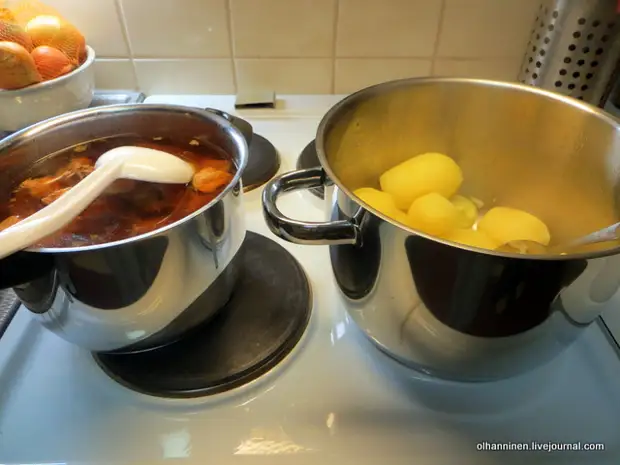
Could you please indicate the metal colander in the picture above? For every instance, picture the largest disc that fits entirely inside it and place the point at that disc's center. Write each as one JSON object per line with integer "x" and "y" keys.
{"x": 574, "y": 48}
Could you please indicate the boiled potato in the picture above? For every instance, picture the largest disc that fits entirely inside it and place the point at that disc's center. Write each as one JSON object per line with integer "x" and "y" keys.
{"x": 401, "y": 217}
{"x": 378, "y": 200}
{"x": 433, "y": 214}
{"x": 383, "y": 202}
{"x": 467, "y": 209}
{"x": 420, "y": 175}
{"x": 504, "y": 224}
{"x": 472, "y": 238}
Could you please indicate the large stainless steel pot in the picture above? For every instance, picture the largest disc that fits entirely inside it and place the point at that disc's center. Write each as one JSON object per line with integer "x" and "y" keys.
{"x": 451, "y": 310}
{"x": 142, "y": 292}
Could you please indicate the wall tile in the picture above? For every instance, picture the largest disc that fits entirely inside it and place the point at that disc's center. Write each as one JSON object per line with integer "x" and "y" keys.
{"x": 387, "y": 28}
{"x": 289, "y": 45}
{"x": 486, "y": 28}
{"x": 198, "y": 76}
{"x": 98, "y": 20}
{"x": 115, "y": 74}
{"x": 502, "y": 69}
{"x": 353, "y": 74}
{"x": 177, "y": 28}
{"x": 286, "y": 76}
{"x": 283, "y": 28}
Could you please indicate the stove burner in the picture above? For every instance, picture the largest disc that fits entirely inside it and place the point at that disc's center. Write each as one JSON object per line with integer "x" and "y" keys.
{"x": 263, "y": 163}
{"x": 310, "y": 159}
{"x": 258, "y": 327}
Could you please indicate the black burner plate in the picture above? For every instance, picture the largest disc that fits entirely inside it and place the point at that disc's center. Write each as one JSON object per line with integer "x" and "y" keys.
{"x": 258, "y": 327}
{"x": 263, "y": 163}
{"x": 310, "y": 159}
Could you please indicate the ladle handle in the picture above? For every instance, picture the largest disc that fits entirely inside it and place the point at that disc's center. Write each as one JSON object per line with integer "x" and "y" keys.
{"x": 610, "y": 233}
{"x": 60, "y": 213}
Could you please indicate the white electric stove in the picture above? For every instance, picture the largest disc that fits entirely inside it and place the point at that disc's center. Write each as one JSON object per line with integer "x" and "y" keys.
{"x": 335, "y": 399}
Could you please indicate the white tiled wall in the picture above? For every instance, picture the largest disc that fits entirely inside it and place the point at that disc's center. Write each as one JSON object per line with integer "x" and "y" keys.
{"x": 297, "y": 46}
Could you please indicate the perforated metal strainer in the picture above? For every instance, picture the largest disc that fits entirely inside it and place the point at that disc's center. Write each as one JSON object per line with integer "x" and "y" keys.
{"x": 574, "y": 48}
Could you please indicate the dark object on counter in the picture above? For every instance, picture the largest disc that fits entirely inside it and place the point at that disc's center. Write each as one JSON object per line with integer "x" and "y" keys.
{"x": 263, "y": 163}
{"x": 22, "y": 267}
{"x": 310, "y": 159}
{"x": 263, "y": 321}
{"x": 447, "y": 309}
{"x": 9, "y": 303}
{"x": 95, "y": 296}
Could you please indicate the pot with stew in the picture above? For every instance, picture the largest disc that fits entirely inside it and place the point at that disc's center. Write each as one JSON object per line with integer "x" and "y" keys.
{"x": 145, "y": 262}
{"x": 429, "y": 179}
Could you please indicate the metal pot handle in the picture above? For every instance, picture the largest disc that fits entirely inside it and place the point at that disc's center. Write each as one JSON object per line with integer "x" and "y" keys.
{"x": 299, "y": 232}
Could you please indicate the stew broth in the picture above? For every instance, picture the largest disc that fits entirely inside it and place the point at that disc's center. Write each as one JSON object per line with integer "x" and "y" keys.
{"x": 128, "y": 208}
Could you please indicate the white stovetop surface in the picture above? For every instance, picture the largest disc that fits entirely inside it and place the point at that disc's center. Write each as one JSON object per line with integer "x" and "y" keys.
{"x": 335, "y": 399}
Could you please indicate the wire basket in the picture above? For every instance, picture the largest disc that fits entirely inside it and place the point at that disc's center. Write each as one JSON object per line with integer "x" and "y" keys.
{"x": 574, "y": 49}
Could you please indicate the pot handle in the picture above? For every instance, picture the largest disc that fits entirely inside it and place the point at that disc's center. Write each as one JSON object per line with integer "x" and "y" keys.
{"x": 242, "y": 125}
{"x": 299, "y": 232}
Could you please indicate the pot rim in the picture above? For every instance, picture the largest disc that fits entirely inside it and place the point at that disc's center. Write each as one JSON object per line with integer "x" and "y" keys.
{"x": 377, "y": 89}
{"x": 34, "y": 130}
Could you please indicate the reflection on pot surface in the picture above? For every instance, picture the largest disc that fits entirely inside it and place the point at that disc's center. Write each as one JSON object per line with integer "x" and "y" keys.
{"x": 542, "y": 167}
{"x": 136, "y": 291}
{"x": 465, "y": 314}
{"x": 127, "y": 297}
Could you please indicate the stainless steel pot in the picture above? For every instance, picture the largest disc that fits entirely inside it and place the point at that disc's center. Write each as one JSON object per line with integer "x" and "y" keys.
{"x": 447, "y": 309}
{"x": 146, "y": 291}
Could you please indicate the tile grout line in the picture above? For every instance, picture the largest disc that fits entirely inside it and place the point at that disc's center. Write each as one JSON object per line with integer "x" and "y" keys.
{"x": 231, "y": 43}
{"x": 120, "y": 13}
{"x": 335, "y": 44}
{"x": 438, "y": 36}
{"x": 308, "y": 58}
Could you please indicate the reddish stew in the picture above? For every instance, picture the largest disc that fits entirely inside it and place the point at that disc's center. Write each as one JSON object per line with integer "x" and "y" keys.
{"x": 128, "y": 208}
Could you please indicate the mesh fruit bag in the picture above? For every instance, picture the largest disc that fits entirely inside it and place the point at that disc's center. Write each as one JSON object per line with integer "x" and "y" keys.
{"x": 45, "y": 26}
{"x": 6, "y": 14}
{"x": 11, "y": 31}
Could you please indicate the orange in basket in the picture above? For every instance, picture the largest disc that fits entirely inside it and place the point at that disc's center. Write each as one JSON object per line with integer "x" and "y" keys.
{"x": 51, "y": 63}
{"x": 55, "y": 32}
{"x": 46, "y": 26}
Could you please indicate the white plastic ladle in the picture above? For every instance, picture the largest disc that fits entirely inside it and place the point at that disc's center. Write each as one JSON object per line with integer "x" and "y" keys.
{"x": 127, "y": 162}
{"x": 608, "y": 234}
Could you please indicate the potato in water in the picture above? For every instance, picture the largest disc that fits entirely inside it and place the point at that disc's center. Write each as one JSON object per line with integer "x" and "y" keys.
{"x": 504, "y": 224}
{"x": 433, "y": 214}
{"x": 383, "y": 202}
{"x": 427, "y": 188}
{"x": 472, "y": 238}
{"x": 421, "y": 175}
